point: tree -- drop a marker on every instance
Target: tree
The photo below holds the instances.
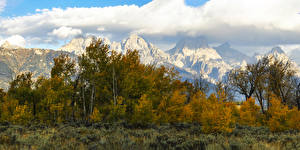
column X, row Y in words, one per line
column 200, row 84
column 197, row 104
column 93, row 73
column 216, row 116
column 261, row 83
column 278, row 118
column 280, row 79
column 64, row 67
column 249, row 113
column 55, row 100
column 297, row 94
column 170, row 109
column 175, row 106
column 143, row 113
column 21, row 88
column 242, row 81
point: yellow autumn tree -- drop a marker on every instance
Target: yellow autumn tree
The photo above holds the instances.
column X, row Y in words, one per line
column 198, row 101
column 294, row 119
column 187, row 114
column 278, row 118
column 170, row 109
column 12, row 111
column 7, row 108
column 216, row 117
column 161, row 115
column 22, row 115
column 143, row 113
column 249, row 113
column 96, row 115
column 175, row 107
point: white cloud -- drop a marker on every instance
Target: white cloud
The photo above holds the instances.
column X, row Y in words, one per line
column 15, row 40
column 243, row 22
column 2, row 5
column 65, row 32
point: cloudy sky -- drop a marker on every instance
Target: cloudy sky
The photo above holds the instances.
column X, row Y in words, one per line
column 249, row 25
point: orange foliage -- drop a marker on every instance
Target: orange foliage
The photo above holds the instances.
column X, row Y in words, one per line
column 278, row 120
column 249, row 113
column 216, row 116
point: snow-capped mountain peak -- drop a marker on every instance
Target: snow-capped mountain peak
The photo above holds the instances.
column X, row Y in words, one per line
column 192, row 57
column 276, row 53
column 135, row 42
column 148, row 52
column 78, row 45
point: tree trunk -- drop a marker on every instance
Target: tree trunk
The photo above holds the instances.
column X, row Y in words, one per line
column 92, row 99
column 114, row 86
column 84, row 103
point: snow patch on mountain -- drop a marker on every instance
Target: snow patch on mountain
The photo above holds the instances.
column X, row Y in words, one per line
column 279, row 54
column 191, row 57
column 8, row 45
column 77, row 45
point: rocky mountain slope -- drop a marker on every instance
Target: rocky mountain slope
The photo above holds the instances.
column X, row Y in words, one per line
column 15, row 60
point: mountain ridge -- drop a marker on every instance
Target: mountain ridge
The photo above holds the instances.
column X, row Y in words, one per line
column 191, row 59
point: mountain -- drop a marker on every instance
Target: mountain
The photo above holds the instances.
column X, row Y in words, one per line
column 279, row 54
column 191, row 57
column 16, row 60
column 7, row 45
column 195, row 56
column 275, row 52
column 77, row 45
column 232, row 56
column 148, row 52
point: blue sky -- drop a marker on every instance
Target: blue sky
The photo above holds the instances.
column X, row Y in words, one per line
column 27, row 7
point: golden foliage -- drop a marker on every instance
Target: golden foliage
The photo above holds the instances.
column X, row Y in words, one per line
column 216, row 117
column 278, row 120
column 22, row 115
column 187, row 114
column 294, row 121
column 175, row 106
column 143, row 112
column 198, row 101
column 96, row 115
column 249, row 113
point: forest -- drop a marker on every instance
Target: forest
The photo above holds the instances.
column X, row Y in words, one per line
column 105, row 87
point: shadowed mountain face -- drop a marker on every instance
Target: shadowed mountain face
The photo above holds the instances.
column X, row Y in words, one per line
column 231, row 55
column 16, row 60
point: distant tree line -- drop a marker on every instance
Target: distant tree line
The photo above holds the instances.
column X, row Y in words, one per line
column 106, row 86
